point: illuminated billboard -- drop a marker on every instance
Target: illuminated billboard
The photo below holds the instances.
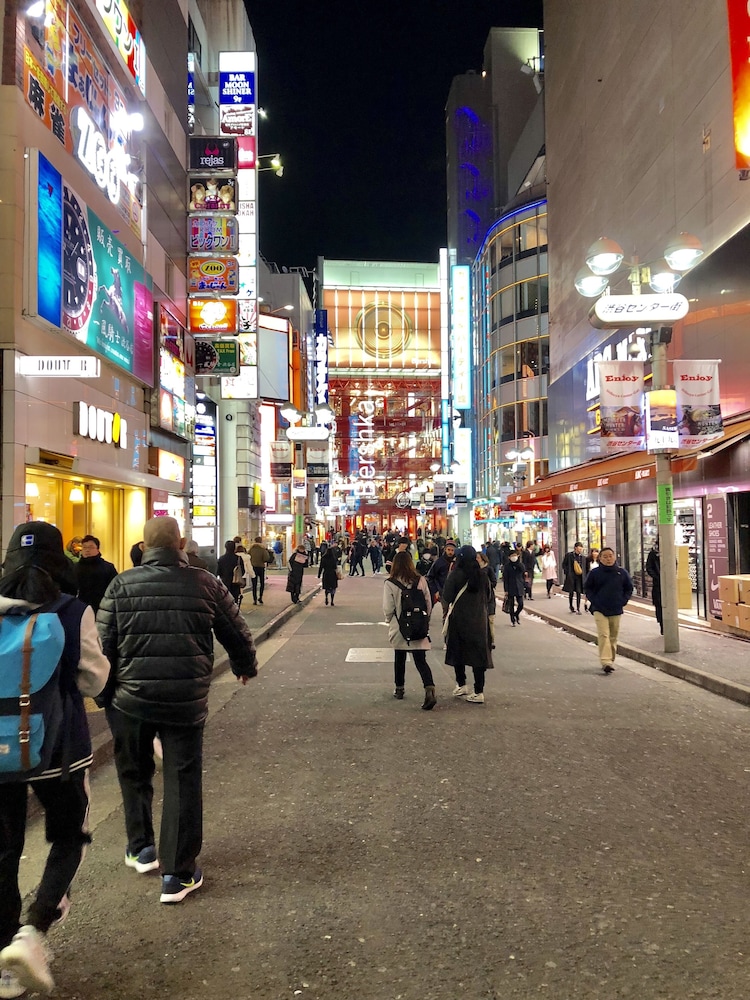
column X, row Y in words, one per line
column 83, row 280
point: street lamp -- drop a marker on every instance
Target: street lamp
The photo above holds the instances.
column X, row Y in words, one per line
column 525, row 455
column 274, row 164
column 605, row 258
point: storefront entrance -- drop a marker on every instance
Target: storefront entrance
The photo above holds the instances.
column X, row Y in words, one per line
column 113, row 514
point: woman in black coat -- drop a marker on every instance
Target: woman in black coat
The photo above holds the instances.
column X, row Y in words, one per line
column 329, row 570
column 468, row 637
column 514, row 586
column 653, row 568
column 225, row 570
column 297, row 564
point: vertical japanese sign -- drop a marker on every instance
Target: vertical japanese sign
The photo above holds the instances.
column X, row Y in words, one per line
column 739, row 50
column 621, row 404
column 321, row 356
column 461, row 335
column 698, row 402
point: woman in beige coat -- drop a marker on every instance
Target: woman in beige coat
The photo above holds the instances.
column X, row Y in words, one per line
column 403, row 572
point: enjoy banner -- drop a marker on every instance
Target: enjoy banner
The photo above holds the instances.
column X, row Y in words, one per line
column 621, row 405
column 698, row 402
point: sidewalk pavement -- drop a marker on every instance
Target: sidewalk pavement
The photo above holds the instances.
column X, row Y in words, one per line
column 262, row 620
column 717, row 662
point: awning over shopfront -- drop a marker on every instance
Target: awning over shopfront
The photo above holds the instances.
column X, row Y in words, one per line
column 625, row 468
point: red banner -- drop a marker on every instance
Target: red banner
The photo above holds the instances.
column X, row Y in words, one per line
column 739, row 49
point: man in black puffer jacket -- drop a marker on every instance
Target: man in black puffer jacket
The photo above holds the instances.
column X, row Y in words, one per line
column 156, row 623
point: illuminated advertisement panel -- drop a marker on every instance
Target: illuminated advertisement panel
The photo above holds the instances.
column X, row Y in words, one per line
column 213, row 274
column 460, row 337
column 68, row 86
column 739, row 48
column 394, row 330
column 87, row 282
column 126, row 37
column 218, row 316
column 237, row 87
column 212, row 234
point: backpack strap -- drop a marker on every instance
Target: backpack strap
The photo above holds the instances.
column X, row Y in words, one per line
column 24, row 701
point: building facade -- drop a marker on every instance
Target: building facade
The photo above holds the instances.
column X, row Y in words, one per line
column 640, row 148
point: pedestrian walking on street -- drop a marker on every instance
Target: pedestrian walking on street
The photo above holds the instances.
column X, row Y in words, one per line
column 468, row 638
column 591, row 560
column 438, row 575
column 528, row 558
column 608, row 590
column 574, row 575
column 653, row 568
column 260, row 557
column 191, row 550
column 514, row 587
column 549, row 568
column 403, row 577
column 31, row 582
column 247, row 571
column 297, row 564
column 156, row 624
column 93, row 572
column 228, row 563
column 330, row 571
column 487, row 569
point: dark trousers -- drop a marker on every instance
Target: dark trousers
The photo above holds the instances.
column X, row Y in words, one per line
column 259, row 580
column 66, row 826
column 181, row 835
column 515, row 606
column 420, row 662
column 577, row 594
column 550, row 585
column 460, row 668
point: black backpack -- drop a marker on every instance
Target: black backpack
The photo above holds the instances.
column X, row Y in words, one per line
column 414, row 620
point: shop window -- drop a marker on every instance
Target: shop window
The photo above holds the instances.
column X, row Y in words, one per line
column 527, row 236
column 507, row 302
column 508, row 423
column 528, row 359
column 542, row 235
column 507, row 364
column 527, row 418
column 506, row 245
column 532, row 296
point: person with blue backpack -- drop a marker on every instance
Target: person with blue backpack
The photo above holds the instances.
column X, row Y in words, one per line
column 49, row 646
column 407, row 605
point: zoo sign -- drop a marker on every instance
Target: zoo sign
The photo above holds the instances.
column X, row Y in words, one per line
column 213, row 274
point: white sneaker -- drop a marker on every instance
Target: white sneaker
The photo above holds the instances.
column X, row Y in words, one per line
column 475, row 699
column 460, row 691
column 26, row 957
column 10, row 986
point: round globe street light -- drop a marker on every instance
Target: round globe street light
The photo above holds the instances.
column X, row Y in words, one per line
column 604, row 256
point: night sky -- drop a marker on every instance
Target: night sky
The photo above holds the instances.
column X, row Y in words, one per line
column 355, row 93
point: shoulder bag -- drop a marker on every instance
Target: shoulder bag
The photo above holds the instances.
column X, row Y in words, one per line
column 451, row 606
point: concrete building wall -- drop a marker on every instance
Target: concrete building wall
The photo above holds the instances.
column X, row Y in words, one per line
column 639, row 140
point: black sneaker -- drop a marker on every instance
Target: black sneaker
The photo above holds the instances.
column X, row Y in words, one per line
column 145, row 861
column 174, row 889
column 608, row 668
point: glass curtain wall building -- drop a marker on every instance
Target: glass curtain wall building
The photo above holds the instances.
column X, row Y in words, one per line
column 511, row 363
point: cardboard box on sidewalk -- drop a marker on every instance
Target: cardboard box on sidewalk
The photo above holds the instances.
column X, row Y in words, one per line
column 729, row 588
column 730, row 614
column 743, row 611
column 745, row 589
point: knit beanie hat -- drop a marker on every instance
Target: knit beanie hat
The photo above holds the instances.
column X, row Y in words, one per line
column 37, row 543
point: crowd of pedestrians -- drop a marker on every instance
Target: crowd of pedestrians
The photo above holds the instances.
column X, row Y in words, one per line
column 141, row 642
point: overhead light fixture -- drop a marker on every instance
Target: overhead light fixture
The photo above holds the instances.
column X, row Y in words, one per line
column 590, row 285
column 683, row 252
column 290, row 412
column 36, row 9
column 604, row 256
column 324, row 413
column 662, row 277
column 32, row 491
column 76, row 495
column 435, row 467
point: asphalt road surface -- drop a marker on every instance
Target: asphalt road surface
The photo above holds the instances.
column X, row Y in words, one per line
column 577, row 836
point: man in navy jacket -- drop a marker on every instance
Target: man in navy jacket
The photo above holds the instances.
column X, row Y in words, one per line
column 608, row 589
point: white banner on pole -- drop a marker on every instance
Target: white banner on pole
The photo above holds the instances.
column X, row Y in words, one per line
column 698, row 402
column 621, row 405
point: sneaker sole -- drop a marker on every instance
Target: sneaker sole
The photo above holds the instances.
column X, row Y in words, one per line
column 26, row 974
column 140, row 867
column 177, row 897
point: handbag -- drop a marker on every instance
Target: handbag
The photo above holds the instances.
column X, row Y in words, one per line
column 506, row 605
column 237, row 573
column 339, row 573
column 451, row 606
